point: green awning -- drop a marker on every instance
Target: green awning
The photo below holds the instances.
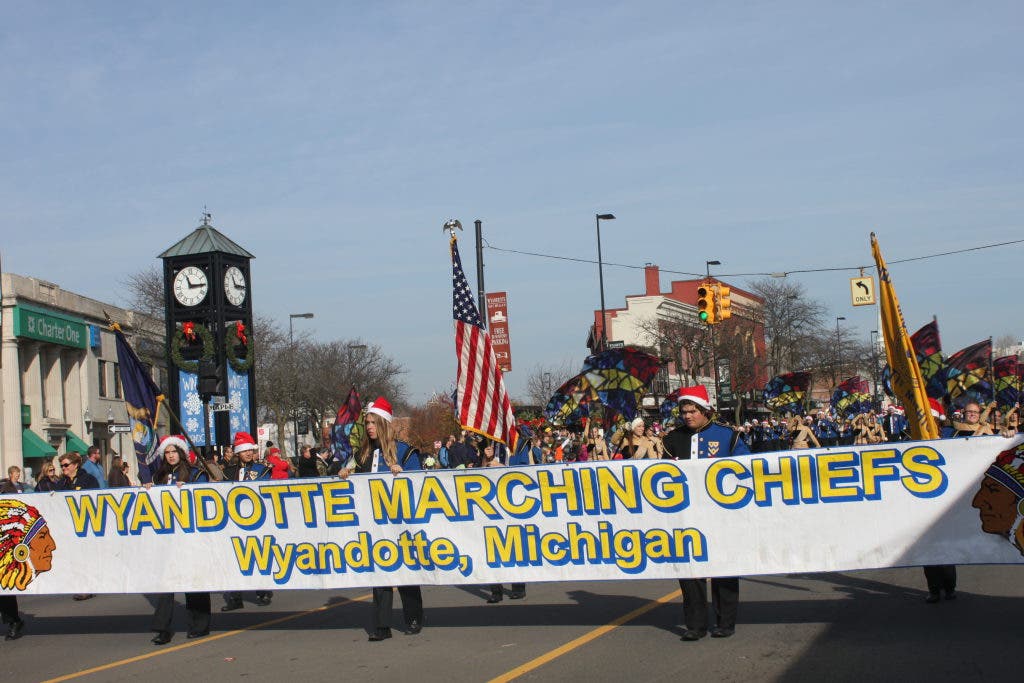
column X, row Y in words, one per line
column 76, row 444
column 34, row 446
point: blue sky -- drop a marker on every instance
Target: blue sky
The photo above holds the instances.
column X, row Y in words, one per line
column 332, row 140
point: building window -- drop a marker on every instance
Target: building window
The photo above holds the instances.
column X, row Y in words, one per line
column 117, row 380
column 102, row 377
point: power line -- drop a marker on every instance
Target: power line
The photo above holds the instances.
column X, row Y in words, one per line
column 782, row 273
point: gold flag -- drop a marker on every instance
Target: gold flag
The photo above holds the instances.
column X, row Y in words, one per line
column 907, row 382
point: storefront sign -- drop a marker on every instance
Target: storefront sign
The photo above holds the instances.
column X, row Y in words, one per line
column 497, row 325
column 49, row 326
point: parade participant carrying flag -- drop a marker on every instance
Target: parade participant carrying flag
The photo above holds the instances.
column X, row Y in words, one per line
column 344, row 428
column 907, row 383
column 142, row 399
column 482, row 404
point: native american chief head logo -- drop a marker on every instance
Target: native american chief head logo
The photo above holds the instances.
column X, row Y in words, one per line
column 26, row 546
column 1000, row 498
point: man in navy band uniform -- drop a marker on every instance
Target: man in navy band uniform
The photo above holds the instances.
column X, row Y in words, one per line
column 700, row 437
column 245, row 468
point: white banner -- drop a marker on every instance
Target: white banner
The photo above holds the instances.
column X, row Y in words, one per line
column 890, row 505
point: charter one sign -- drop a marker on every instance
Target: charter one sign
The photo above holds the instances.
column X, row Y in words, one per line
column 49, row 327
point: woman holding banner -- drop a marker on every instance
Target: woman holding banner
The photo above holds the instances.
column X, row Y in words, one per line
column 174, row 470
column 382, row 452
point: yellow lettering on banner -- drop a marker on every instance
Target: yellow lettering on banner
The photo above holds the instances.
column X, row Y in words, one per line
column 808, row 490
column 610, row 489
column 306, row 492
column 252, row 555
column 926, row 479
column 474, row 490
column 694, row 539
column 505, row 502
column 177, row 510
column 357, row 553
column 504, row 548
column 764, row 480
column 663, row 486
column 283, row 559
column 629, row 552
column 385, row 554
column 337, row 497
column 828, row 489
column 119, row 506
column 433, row 499
column 441, row 552
column 878, row 466
column 391, row 503
column 237, row 497
column 208, row 519
column 144, row 514
column 713, row 483
column 305, row 557
column 276, row 493
column 85, row 513
column 330, row 556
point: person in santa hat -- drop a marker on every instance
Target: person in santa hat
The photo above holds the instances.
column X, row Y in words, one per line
column 381, row 451
column 174, row 469
column 245, row 468
column 700, row 437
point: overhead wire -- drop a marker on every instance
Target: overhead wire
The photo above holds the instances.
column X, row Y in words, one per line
column 779, row 273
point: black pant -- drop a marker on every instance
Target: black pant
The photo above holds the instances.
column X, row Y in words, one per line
column 725, row 596
column 514, row 588
column 383, row 599
column 196, row 604
column 236, row 596
column 940, row 577
column 9, row 609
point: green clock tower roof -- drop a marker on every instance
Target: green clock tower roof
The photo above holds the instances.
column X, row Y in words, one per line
column 204, row 240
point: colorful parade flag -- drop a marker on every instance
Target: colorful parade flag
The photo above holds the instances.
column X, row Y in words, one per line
column 928, row 349
column 571, row 402
column 785, row 393
column 345, row 437
column 142, row 399
column 967, row 373
column 851, row 397
column 483, row 405
column 907, row 383
column 619, row 377
column 1007, row 371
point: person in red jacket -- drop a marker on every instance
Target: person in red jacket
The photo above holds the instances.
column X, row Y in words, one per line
column 279, row 466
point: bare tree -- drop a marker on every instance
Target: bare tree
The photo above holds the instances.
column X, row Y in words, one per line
column 144, row 291
column 792, row 322
column 432, row 421
column 542, row 381
column 678, row 338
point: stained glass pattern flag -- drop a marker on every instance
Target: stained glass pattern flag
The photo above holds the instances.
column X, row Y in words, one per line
column 851, row 397
column 620, row 377
column 1007, row 381
column 482, row 403
column 345, row 436
column 570, row 402
column 967, row 373
column 928, row 349
column 785, row 393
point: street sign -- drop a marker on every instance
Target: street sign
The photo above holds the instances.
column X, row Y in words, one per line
column 616, row 344
column 862, row 291
column 219, row 407
column 120, row 429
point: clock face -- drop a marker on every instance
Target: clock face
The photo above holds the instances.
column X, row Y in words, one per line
column 234, row 286
column 190, row 286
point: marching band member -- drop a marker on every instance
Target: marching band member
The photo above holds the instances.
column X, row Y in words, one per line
column 245, row 468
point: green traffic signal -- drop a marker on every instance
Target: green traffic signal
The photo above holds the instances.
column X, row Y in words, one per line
column 703, row 316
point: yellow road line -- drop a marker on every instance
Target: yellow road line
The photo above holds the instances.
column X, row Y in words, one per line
column 584, row 639
column 204, row 641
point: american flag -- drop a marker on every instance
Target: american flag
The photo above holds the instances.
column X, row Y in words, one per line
column 481, row 402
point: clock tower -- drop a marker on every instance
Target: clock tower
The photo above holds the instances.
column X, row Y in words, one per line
column 208, row 312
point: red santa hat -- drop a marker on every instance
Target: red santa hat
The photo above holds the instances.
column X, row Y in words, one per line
column 243, row 442
column 697, row 395
column 172, row 440
column 381, row 407
column 938, row 411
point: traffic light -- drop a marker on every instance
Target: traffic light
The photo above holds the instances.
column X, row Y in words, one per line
column 705, row 304
column 723, row 303
column 211, row 381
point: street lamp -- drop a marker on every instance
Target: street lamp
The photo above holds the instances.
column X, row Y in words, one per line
column 291, row 345
column 839, row 351
column 600, row 275
column 874, row 365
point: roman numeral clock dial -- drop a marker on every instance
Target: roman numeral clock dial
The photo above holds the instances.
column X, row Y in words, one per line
column 190, row 286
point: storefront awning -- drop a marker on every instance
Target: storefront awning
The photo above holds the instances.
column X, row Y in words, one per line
column 76, row 444
column 34, row 446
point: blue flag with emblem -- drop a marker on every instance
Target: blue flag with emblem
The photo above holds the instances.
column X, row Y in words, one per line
column 142, row 398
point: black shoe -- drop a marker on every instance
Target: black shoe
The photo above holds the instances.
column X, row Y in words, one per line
column 516, row 595
column 161, row 638
column 719, row 632
column 691, row 634
column 932, row 598
column 262, row 599
column 414, row 627
column 83, row 596
column 231, row 605
column 495, row 597
column 14, row 632
column 199, row 634
column 380, row 634
column 951, row 594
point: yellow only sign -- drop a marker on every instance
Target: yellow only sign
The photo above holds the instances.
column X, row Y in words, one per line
column 862, row 291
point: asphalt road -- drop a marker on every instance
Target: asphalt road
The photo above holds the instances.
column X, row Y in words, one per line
column 839, row 627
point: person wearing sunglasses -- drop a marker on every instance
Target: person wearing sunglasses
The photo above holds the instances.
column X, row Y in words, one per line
column 74, row 478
